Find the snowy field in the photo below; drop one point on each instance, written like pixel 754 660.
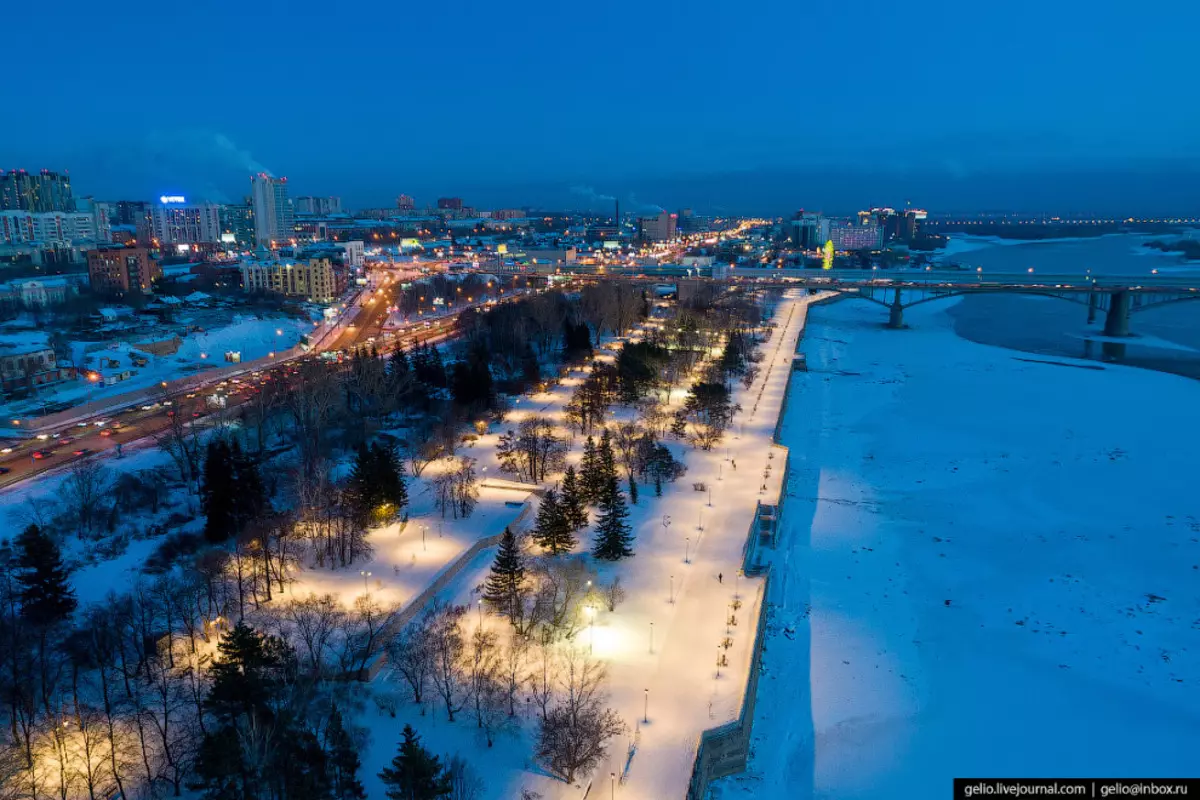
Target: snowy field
pixel 989 568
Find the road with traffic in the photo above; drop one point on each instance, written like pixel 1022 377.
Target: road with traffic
pixel 106 434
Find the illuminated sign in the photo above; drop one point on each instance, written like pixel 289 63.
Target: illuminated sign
pixel 172 198
pixel 827 260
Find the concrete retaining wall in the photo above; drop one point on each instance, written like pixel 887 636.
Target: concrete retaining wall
pixel 418 603
pixel 723 751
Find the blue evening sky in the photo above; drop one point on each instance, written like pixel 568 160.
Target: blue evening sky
pixel 761 105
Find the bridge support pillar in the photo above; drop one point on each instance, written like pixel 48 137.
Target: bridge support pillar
pixel 896 312
pixel 1092 302
pixel 1116 323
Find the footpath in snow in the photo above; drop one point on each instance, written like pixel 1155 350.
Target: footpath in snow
pixel 685 695
pixel 987 567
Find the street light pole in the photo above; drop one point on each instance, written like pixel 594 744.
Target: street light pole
pixel 646 711
pixel 687 543
pixel 365 575
pixel 651 640
pixel 672 590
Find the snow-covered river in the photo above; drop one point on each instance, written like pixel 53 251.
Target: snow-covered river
pixel 989 568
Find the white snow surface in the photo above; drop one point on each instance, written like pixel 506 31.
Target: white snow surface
pixel 988 567
pixel 685 696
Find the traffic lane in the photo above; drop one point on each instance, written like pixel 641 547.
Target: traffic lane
pixel 23 466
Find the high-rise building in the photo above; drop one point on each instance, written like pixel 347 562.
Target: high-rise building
pixel 102 214
pixel 38 192
pixel 659 228
pixel 179 222
pixel 405 203
pixel 237 225
pixel 122 270
pixel 272 210
pixel 901 226
pixel 450 203
pixel 130 212
pixel 318 206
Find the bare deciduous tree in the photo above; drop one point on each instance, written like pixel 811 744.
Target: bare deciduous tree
pixel 532 451
pixel 86 487
pixel 575 732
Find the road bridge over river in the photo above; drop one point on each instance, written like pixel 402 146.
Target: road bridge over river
pixel 1117 296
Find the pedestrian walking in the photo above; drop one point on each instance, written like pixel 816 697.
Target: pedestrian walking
pixel 720 577
pixel 734 460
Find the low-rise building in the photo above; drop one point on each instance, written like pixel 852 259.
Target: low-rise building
pixel 30 367
pixel 122 270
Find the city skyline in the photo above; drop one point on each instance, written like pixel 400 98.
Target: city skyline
pixel 752 115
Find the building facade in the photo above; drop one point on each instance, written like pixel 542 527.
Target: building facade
pixel 39 192
pixel 237 225
pixel 315 280
pixel 659 228
pixel 273 214
pixel 122 270
pixel 186 223
pixel 25 369
pixel 405 204
pixel 450 203
pixel 50 227
pixel 846 235
pixel 318 206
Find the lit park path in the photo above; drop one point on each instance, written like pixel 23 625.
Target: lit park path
pixel 670 693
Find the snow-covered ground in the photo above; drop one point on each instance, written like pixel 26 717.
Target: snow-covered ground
pixel 685 695
pixel 988 568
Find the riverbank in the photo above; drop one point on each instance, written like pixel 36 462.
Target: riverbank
pixel 987 566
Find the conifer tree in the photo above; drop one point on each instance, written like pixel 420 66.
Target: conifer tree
pixel 613 536
pixel 47 596
pixel 249 494
pixel 343 760
pixel 590 477
pixel 573 506
pixel 633 490
pixel 607 459
pixel 504 586
pixel 415 773
pixel 217 493
pixel 552 531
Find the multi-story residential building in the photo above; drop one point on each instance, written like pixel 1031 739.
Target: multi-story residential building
pixel 318 206
pixel 315 280
pixel 450 203
pixel 50 227
pixel 178 222
pixel 273 214
pixel 39 192
pixel 405 204
pixel 660 228
pixel 122 270
pixel 237 225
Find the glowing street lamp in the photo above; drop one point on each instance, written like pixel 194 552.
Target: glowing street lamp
pixel 365 575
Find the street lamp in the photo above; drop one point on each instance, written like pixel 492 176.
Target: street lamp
pixel 672 590
pixel 651 638
pixel 365 575
pixel 592 628
pixel 687 543
pixel 646 707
